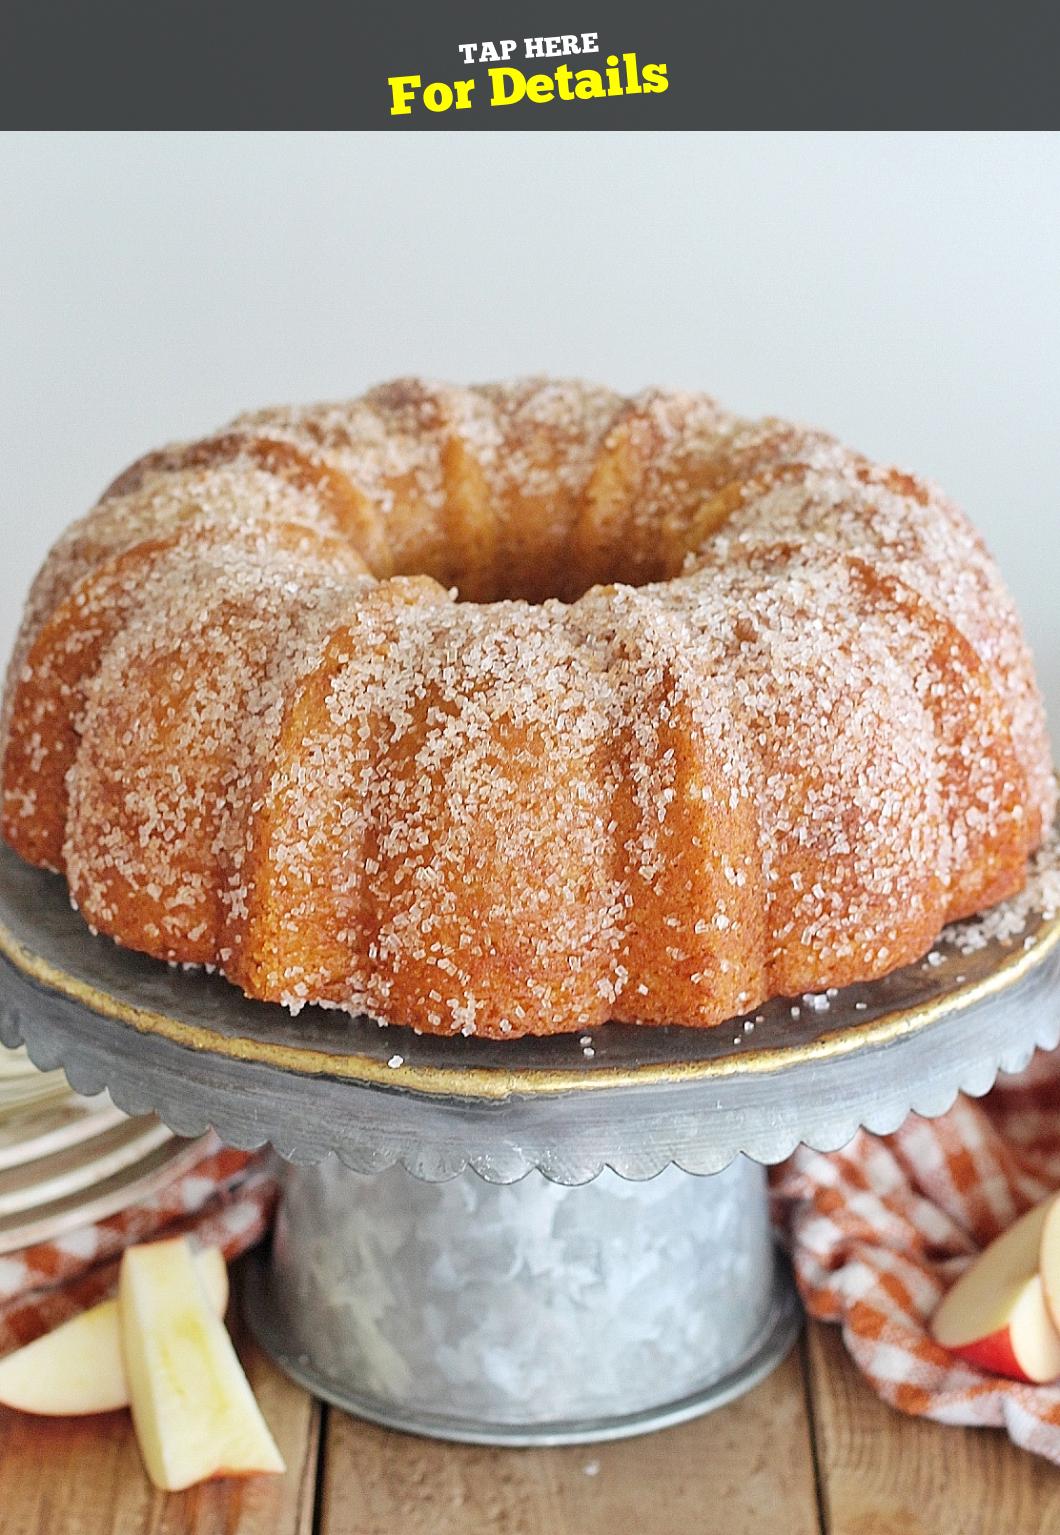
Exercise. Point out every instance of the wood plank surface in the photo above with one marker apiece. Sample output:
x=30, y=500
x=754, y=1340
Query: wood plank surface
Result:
x=883, y=1473
x=748, y=1469
x=744, y=1470
x=70, y=1476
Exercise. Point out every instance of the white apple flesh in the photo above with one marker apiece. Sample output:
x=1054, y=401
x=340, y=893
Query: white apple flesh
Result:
x=1049, y=1260
x=996, y=1316
x=193, y=1409
x=77, y=1367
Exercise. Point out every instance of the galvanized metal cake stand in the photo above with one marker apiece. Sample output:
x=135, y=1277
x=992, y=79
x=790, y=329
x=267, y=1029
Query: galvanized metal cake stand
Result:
x=550, y=1272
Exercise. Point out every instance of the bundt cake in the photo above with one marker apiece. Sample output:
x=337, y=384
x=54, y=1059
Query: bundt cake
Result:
x=519, y=708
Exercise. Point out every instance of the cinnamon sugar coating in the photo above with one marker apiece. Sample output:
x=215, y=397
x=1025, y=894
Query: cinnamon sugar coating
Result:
x=519, y=708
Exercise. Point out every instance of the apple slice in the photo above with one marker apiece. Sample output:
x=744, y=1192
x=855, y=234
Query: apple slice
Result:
x=995, y=1316
x=193, y=1409
x=77, y=1367
x=1049, y=1260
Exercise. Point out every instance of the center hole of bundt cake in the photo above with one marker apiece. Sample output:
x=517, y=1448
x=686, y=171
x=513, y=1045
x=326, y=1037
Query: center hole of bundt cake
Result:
x=537, y=569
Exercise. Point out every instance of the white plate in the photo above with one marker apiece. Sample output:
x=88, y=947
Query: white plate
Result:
x=35, y=1130
x=15, y=1064
x=77, y=1168
x=33, y=1086
x=124, y=1188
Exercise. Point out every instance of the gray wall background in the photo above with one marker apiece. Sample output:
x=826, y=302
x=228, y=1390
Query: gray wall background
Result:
x=901, y=290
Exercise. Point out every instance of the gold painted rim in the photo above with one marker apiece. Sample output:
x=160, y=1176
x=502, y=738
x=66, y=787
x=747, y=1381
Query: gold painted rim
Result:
x=498, y=1083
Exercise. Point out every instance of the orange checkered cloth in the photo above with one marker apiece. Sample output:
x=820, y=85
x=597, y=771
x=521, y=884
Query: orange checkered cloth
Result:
x=880, y=1230
x=226, y=1199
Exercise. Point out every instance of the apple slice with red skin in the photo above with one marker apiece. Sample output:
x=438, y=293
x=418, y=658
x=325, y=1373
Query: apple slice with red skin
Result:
x=995, y=1316
x=1049, y=1259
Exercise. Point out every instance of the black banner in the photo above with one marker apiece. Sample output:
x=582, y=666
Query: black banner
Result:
x=579, y=64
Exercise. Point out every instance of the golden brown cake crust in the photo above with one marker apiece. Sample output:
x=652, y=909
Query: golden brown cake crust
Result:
x=519, y=708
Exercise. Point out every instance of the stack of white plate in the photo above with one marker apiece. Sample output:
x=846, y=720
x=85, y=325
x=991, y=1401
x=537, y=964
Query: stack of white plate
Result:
x=66, y=1161
x=21, y=1082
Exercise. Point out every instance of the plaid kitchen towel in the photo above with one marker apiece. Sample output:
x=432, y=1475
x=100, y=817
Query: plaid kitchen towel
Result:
x=880, y=1230
x=225, y=1199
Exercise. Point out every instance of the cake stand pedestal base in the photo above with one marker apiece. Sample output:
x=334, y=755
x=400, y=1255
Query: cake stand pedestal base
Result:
x=529, y=1313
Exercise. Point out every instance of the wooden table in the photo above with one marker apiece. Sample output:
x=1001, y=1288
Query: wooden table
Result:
x=811, y=1450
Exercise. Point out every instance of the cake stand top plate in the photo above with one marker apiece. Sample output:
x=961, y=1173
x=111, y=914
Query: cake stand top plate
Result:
x=191, y=1048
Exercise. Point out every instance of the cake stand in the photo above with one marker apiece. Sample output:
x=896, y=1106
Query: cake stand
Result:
x=550, y=1272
